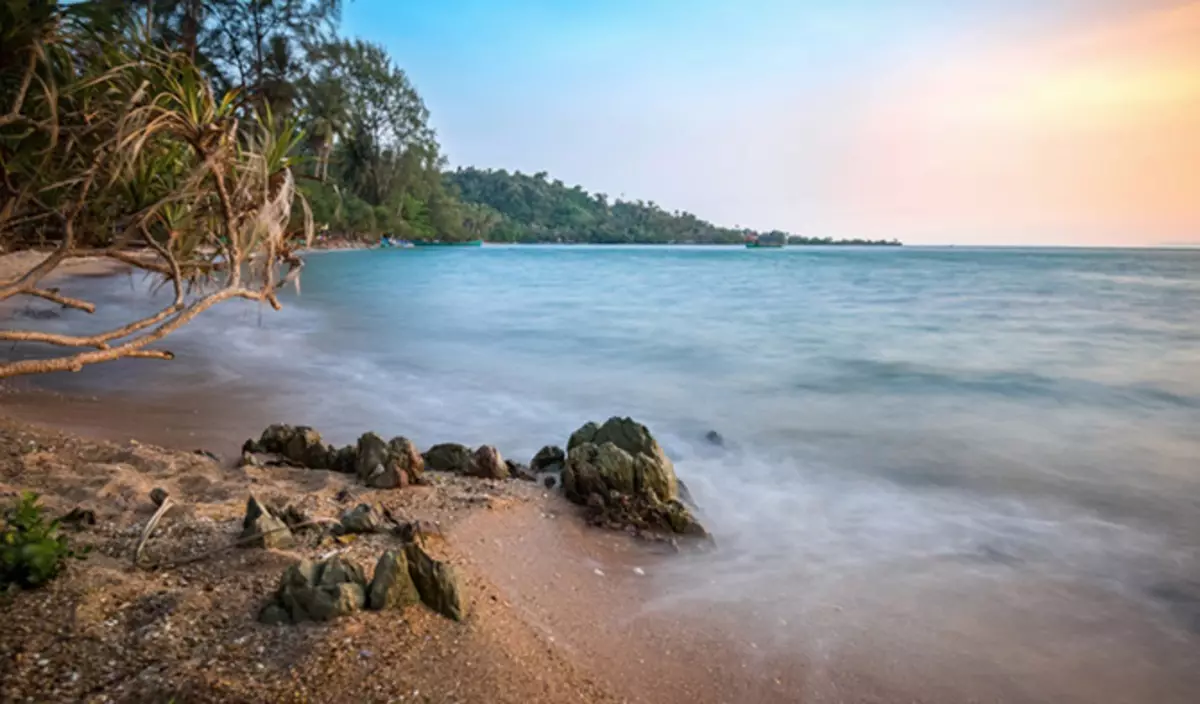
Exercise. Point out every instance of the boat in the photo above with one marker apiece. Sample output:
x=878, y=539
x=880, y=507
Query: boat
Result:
x=439, y=243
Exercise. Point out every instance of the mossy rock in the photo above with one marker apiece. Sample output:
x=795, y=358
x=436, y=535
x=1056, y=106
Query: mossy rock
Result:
x=268, y=530
x=448, y=457
x=436, y=582
x=392, y=586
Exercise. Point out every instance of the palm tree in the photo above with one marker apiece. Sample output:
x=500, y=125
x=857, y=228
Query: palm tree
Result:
x=326, y=109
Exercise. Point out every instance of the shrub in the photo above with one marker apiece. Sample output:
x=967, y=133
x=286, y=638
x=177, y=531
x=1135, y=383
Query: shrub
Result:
x=31, y=550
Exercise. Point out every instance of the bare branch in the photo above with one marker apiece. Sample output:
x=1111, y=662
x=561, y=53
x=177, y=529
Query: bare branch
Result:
x=172, y=264
x=99, y=341
x=152, y=354
x=76, y=362
x=52, y=294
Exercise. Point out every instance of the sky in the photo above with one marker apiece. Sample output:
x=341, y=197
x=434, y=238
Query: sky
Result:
x=1053, y=122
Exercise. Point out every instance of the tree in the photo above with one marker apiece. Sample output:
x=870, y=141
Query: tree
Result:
x=538, y=209
x=326, y=113
x=124, y=150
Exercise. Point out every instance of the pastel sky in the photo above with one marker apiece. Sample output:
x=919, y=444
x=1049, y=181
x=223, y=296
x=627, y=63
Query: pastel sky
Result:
x=935, y=121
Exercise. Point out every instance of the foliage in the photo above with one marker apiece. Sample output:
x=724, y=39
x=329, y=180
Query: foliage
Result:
x=114, y=146
x=31, y=550
x=516, y=207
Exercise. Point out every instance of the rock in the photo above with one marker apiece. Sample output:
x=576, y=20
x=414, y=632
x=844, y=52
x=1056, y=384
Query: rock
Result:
x=268, y=529
x=407, y=459
x=520, y=471
x=273, y=614
x=681, y=520
x=320, y=591
x=488, y=464
x=299, y=444
x=210, y=455
x=635, y=438
x=389, y=465
x=373, y=463
x=586, y=433
x=714, y=438
x=448, y=457
x=391, y=585
x=249, y=459
x=550, y=481
x=436, y=582
x=79, y=517
x=336, y=571
x=343, y=460
x=550, y=458
x=596, y=469
x=360, y=519
x=158, y=495
x=620, y=472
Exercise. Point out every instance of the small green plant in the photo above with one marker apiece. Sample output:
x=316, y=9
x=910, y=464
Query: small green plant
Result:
x=31, y=550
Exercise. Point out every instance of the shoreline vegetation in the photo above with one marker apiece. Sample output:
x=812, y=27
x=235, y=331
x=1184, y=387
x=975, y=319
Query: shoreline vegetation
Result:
x=208, y=143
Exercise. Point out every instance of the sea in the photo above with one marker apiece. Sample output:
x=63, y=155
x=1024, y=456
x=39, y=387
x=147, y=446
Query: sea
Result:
x=984, y=456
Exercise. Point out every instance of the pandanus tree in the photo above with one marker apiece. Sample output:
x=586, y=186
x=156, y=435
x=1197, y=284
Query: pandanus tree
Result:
x=112, y=147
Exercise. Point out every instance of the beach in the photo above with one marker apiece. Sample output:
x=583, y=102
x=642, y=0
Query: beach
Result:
x=877, y=589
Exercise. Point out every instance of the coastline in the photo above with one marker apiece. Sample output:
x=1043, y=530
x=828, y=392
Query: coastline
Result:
x=538, y=581
x=547, y=626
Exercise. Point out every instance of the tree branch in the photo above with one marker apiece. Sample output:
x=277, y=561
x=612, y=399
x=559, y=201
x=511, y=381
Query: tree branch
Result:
x=76, y=362
x=14, y=114
x=52, y=294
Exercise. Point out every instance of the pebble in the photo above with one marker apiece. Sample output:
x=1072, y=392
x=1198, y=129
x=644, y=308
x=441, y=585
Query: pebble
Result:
x=639, y=571
x=599, y=572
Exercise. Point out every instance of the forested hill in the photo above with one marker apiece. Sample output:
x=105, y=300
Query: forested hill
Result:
x=517, y=207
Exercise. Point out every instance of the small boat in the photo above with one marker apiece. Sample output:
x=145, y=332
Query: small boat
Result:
x=439, y=243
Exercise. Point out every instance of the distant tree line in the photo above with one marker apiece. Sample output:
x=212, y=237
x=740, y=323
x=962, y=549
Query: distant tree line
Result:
x=517, y=207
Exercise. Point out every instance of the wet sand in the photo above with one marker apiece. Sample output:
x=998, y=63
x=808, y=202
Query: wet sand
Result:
x=633, y=619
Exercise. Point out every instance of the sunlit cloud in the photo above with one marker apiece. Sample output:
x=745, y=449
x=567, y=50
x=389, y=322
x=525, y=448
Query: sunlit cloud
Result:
x=1092, y=136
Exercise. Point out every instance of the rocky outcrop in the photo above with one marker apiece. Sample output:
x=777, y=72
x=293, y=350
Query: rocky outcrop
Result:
x=389, y=465
x=322, y=591
x=585, y=434
x=622, y=474
x=373, y=464
x=262, y=528
x=436, y=582
x=318, y=591
x=407, y=459
x=487, y=463
x=299, y=445
x=550, y=458
x=448, y=457
x=391, y=586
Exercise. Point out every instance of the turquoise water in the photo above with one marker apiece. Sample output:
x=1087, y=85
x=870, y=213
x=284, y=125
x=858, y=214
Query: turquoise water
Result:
x=1014, y=422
